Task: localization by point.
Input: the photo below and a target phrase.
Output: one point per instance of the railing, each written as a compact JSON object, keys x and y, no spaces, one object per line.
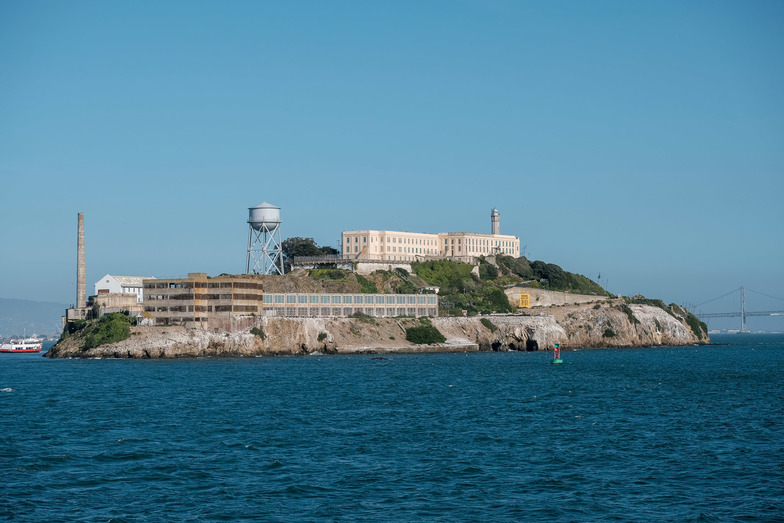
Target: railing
{"x":323,"y":258}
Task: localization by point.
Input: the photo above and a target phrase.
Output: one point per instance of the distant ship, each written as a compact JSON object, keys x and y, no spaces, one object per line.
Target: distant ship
{"x":23,"y":345}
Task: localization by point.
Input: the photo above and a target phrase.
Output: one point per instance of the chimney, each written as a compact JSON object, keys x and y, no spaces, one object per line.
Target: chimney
{"x":81,"y":289}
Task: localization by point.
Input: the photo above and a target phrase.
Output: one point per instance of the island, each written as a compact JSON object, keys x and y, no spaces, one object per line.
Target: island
{"x":480,"y":307}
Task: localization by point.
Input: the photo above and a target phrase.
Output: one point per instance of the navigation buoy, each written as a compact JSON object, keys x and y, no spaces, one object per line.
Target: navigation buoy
{"x":557,"y":354}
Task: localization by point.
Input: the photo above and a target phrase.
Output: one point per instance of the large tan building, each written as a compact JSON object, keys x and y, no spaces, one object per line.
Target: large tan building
{"x":198,"y":300}
{"x":412,"y":246}
{"x":225,"y":301}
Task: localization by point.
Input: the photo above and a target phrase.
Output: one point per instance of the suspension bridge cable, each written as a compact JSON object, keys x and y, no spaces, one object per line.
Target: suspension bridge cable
{"x":763,"y":294}
{"x":720,"y":297}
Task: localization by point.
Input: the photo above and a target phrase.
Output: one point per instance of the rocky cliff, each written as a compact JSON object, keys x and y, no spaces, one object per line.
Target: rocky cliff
{"x":605,"y":324}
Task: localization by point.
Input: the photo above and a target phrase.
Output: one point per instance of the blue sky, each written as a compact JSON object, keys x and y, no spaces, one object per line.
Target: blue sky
{"x":639,"y":140}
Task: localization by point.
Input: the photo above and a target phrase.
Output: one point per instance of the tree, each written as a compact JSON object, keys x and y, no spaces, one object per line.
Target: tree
{"x":297,"y":246}
{"x":300,"y":247}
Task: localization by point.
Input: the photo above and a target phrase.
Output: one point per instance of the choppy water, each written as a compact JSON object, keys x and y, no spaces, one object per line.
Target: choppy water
{"x":689,"y":433}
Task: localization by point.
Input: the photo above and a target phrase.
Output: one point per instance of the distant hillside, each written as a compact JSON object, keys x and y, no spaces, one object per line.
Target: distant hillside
{"x":18,"y":317}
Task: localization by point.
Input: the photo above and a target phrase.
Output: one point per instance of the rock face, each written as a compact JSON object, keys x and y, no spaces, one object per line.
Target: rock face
{"x":604,"y":324}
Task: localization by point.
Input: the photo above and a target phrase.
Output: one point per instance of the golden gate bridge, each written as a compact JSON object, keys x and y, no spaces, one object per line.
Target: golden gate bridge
{"x":743,"y":313}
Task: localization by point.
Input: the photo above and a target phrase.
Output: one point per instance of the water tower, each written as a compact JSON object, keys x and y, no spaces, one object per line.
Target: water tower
{"x":265,"y":252}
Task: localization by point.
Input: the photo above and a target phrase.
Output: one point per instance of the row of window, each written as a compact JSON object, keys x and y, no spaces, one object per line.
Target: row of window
{"x":204,"y":308}
{"x":337,"y":299}
{"x":394,"y":239}
{"x":203,"y":285}
{"x":348,"y":311}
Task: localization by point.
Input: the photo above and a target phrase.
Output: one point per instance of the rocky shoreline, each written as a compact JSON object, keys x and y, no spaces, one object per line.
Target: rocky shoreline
{"x":599,"y":325}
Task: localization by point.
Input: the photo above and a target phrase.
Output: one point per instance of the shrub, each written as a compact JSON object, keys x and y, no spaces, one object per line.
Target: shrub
{"x":405,"y":287}
{"x":629,"y":313}
{"x":322,"y":336}
{"x":696,"y":325}
{"x":366,"y":286}
{"x":364,"y":318}
{"x":424,"y":334}
{"x":608,"y":333}
{"x":258,"y":331}
{"x":489,"y":324}
{"x":488,"y":271}
{"x":111,"y":328}
{"x":329,"y":274}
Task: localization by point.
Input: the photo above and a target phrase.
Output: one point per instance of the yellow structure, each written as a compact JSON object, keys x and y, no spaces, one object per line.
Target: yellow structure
{"x":525,"y":301}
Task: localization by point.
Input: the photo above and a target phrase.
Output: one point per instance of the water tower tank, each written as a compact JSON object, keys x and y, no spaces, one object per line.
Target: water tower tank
{"x":264,"y":217}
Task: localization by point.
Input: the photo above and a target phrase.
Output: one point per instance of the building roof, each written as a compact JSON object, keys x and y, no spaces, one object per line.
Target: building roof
{"x":131,"y":281}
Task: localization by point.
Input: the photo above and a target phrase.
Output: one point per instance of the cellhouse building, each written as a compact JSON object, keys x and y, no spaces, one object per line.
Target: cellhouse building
{"x":385,"y":246}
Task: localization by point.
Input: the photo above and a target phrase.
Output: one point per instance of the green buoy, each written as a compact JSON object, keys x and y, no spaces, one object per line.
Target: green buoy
{"x":557,"y":354}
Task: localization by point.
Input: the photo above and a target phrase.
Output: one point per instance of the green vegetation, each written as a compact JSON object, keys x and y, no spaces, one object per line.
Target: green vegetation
{"x":487,"y":271}
{"x":330,"y":274}
{"x":629,"y":313}
{"x":424,"y":334}
{"x":364,"y":318}
{"x":653,"y":303}
{"x":366,"y":286}
{"x":404,"y":287}
{"x":549,"y":276}
{"x":489,"y":324}
{"x":460,"y":290}
{"x":608,"y":333}
{"x":258,"y":331}
{"x":696,"y":326}
{"x":322,"y":336}
{"x":111,"y":328}
{"x":304,"y":247}
{"x":447,"y":274}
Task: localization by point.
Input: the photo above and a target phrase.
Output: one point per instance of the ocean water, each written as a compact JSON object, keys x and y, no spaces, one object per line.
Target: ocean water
{"x":679,"y":434}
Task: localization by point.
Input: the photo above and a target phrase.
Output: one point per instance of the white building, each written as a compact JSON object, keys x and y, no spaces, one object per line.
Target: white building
{"x":412,"y":246}
{"x":110,"y":284}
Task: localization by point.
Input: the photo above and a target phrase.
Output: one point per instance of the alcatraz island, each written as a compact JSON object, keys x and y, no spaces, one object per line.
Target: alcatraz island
{"x":382,"y":292}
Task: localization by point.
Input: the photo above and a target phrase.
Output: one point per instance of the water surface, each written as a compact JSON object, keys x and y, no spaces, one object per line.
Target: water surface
{"x":686,"y":433}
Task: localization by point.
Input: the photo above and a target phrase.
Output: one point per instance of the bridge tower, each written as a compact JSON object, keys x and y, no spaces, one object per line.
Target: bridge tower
{"x":743,"y":309}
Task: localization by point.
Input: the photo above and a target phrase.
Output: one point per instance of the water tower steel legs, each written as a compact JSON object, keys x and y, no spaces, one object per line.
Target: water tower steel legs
{"x":265,"y":250}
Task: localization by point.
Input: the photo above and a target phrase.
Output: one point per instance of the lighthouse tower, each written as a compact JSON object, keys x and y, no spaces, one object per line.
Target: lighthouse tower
{"x":495,"y":222}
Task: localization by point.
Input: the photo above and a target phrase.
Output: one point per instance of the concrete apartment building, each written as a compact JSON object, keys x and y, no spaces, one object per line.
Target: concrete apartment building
{"x":232,"y":302}
{"x":198,"y":300}
{"x":399,"y":246}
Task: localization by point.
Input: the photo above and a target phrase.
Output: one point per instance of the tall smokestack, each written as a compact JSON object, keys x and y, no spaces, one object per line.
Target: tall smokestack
{"x":81,"y":289}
